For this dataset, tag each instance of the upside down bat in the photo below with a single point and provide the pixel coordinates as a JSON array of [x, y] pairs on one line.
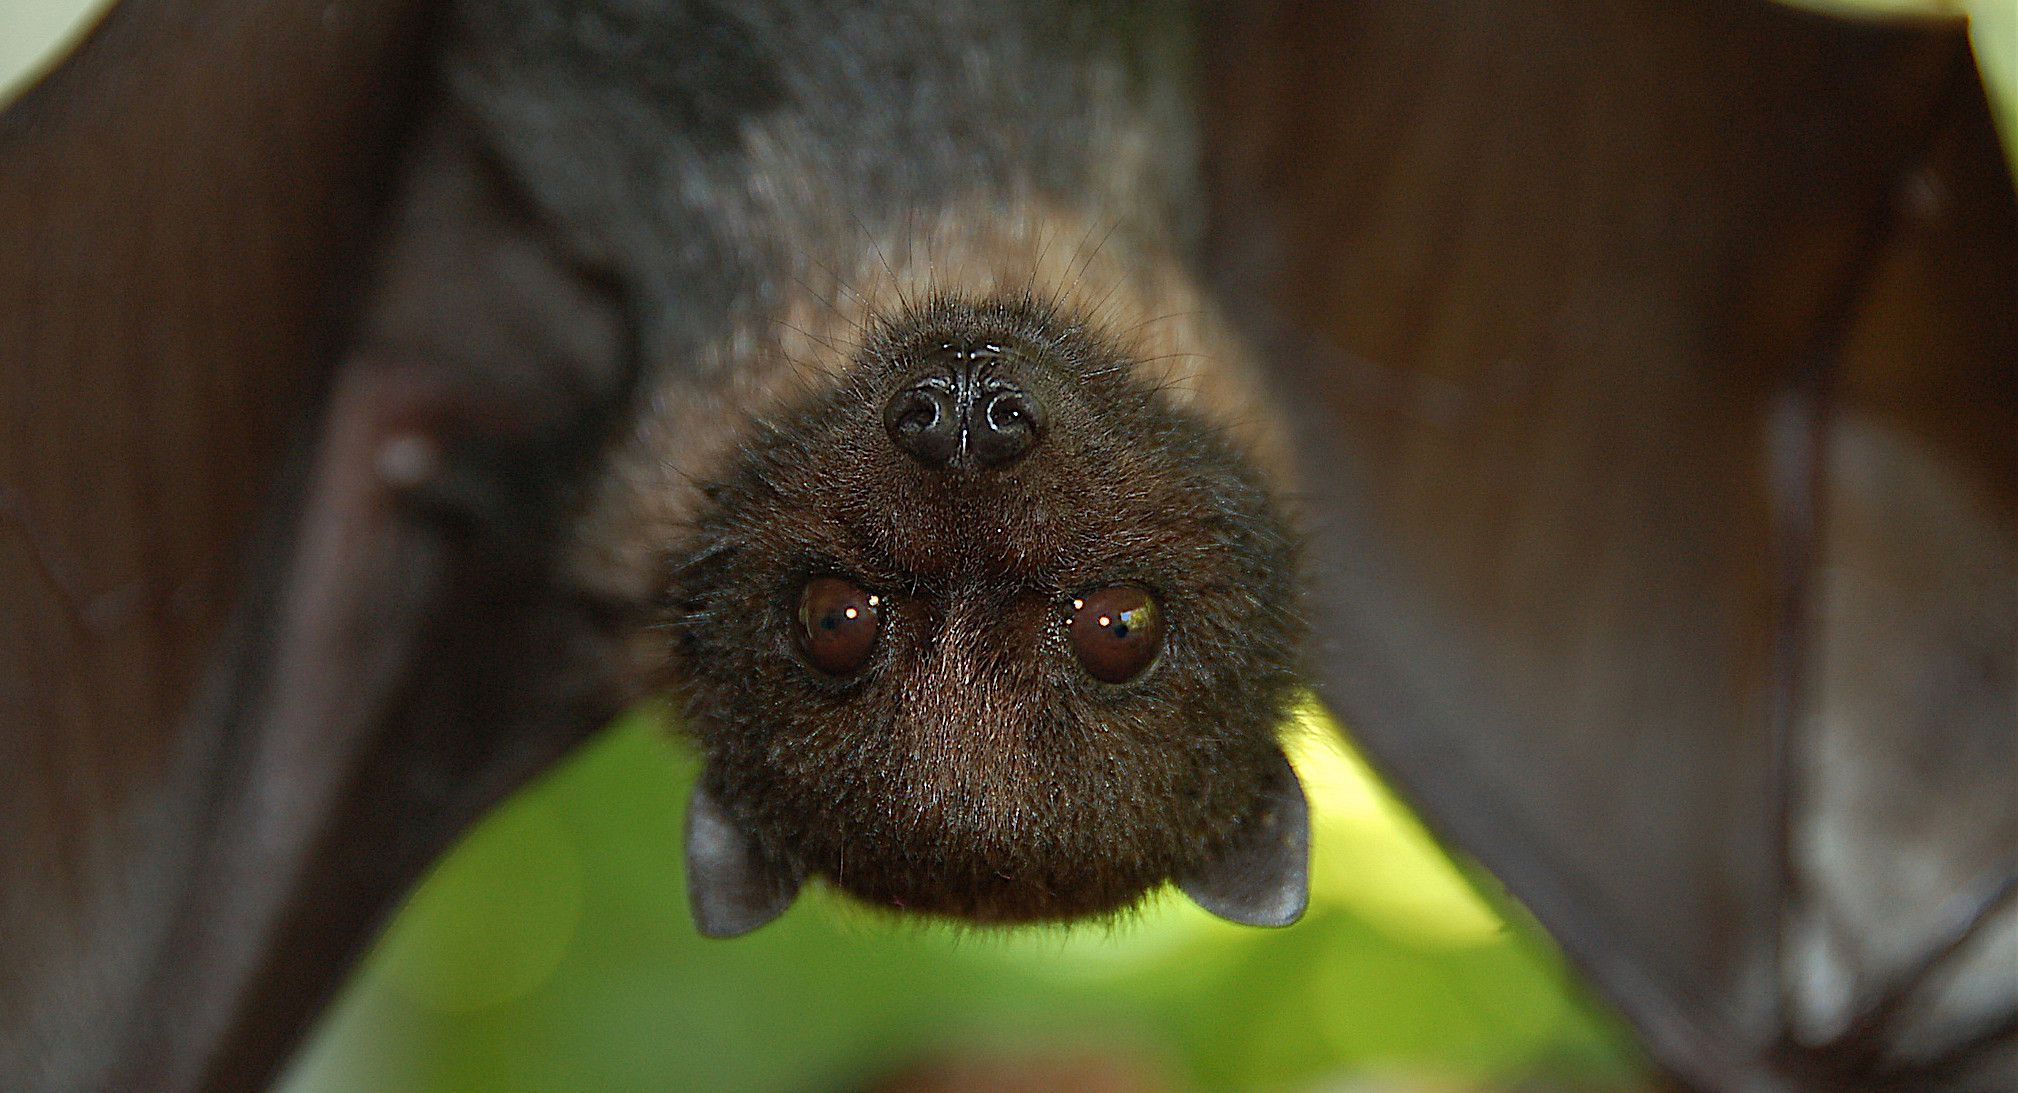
[[948, 505], [689, 328]]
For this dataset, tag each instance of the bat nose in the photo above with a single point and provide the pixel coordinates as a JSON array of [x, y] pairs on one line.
[[969, 409]]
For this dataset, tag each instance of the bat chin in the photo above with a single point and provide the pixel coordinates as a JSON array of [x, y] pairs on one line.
[[977, 892], [1256, 874]]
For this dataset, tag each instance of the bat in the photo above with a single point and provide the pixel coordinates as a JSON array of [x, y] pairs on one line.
[[954, 511], [1547, 584]]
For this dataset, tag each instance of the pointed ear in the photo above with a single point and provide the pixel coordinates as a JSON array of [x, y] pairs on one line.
[[1261, 876], [732, 886]]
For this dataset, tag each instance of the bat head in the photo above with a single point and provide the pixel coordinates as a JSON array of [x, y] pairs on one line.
[[988, 627]]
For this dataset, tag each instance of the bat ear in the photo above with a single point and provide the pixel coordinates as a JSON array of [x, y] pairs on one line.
[[1261, 876], [732, 885]]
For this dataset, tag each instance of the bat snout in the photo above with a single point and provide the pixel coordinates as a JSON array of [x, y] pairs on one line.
[[969, 410]]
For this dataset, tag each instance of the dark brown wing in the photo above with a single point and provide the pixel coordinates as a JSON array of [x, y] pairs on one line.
[[173, 203], [195, 847], [1579, 301]]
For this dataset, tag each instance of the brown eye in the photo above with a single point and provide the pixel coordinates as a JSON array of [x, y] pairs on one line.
[[1116, 632], [837, 624]]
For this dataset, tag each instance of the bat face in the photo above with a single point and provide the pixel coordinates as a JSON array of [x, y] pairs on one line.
[[987, 626]]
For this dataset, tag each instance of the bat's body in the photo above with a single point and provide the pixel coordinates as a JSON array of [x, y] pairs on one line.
[[911, 294]]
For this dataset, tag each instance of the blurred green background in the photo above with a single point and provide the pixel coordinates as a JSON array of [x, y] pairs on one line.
[[553, 951]]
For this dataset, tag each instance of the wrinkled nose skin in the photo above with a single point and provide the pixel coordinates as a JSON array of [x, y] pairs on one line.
[[969, 411]]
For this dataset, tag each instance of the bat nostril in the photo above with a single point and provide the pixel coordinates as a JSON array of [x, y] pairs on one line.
[[924, 421], [1007, 426]]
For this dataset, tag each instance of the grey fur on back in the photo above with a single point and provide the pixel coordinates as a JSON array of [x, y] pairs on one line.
[[696, 151]]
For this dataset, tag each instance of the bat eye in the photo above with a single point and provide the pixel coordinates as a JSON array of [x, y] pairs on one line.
[[837, 624], [1115, 632]]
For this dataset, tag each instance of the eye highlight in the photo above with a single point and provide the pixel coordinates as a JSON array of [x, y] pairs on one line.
[[838, 620], [1116, 632]]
